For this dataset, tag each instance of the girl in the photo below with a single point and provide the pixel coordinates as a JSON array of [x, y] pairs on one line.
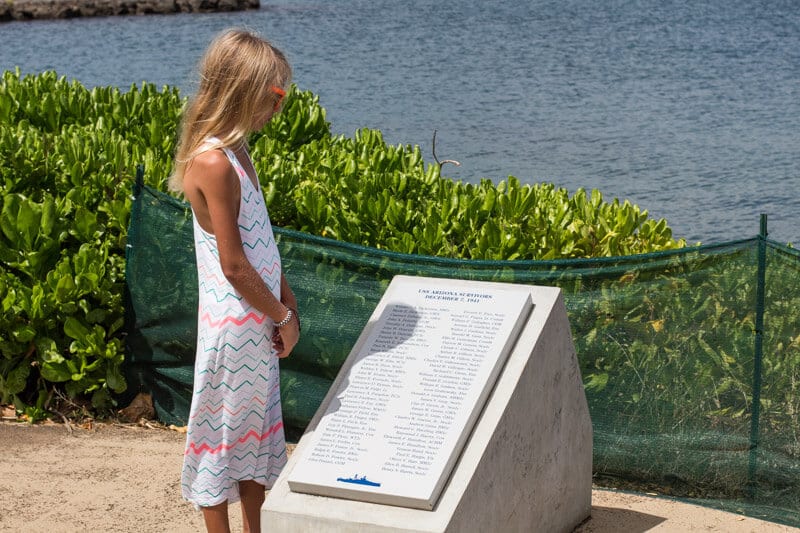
[[247, 316]]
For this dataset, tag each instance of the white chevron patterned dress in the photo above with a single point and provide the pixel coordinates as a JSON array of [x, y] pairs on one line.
[[235, 429]]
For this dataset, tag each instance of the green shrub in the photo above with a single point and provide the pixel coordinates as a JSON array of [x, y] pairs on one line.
[[67, 158]]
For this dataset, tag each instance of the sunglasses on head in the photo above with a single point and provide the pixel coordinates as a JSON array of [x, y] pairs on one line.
[[281, 93]]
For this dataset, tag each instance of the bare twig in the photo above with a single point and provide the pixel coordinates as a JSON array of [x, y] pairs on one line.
[[66, 423], [433, 149], [64, 399], [31, 350]]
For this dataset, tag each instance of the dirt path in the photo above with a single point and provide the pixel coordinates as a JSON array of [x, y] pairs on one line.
[[116, 478]]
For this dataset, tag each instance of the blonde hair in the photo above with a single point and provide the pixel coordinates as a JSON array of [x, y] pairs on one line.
[[236, 74]]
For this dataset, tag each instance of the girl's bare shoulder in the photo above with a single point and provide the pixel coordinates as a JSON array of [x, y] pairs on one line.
[[208, 165]]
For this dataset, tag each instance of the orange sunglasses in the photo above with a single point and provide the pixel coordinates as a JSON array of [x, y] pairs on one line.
[[281, 93]]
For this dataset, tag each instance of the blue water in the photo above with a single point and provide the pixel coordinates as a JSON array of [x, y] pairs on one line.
[[687, 108]]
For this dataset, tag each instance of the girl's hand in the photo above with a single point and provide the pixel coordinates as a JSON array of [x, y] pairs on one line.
[[284, 339]]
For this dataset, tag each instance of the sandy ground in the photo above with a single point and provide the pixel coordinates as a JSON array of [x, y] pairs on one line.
[[125, 478]]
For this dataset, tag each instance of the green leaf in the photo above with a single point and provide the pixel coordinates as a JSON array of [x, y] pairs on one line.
[[597, 382], [48, 350], [17, 378], [115, 379], [57, 372], [75, 329], [85, 224], [65, 288], [24, 333], [27, 224]]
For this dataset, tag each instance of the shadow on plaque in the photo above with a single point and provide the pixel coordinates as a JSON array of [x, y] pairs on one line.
[[410, 319]]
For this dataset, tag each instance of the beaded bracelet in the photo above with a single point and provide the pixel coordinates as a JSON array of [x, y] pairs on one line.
[[286, 320]]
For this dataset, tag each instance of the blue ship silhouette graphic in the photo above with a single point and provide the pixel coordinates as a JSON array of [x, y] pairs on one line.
[[358, 480]]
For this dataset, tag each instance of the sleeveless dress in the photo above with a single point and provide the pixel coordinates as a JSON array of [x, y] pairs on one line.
[[235, 428]]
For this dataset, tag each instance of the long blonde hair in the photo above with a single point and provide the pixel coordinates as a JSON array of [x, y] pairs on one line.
[[236, 74]]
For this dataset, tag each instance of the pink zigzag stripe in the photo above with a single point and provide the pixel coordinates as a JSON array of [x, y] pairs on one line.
[[226, 310], [268, 269], [206, 448], [218, 280], [249, 316]]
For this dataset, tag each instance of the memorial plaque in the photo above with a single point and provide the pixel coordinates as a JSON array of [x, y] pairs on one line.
[[409, 394]]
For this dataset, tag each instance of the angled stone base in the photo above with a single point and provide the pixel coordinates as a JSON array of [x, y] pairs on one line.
[[527, 465]]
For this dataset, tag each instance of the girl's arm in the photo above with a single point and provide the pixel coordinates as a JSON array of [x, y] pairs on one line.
[[213, 188], [287, 296]]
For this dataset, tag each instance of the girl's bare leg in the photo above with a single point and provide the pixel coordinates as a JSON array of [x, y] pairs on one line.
[[216, 518], [252, 495]]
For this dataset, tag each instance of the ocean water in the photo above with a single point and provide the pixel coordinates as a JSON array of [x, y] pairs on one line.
[[689, 109]]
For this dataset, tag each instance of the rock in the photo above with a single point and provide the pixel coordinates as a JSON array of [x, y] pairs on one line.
[[140, 407], [55, 9]]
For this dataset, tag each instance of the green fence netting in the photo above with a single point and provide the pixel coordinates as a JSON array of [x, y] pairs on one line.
[[674, 347]]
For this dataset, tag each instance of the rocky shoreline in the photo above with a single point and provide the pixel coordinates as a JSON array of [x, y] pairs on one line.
[[59, 9]]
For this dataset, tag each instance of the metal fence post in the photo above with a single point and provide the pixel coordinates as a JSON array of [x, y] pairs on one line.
[[757, 357]]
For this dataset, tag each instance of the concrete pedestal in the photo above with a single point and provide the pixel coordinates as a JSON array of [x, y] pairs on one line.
[[527, 466]]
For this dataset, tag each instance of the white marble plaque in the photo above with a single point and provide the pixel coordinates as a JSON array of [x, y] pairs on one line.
[[411, 390]]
